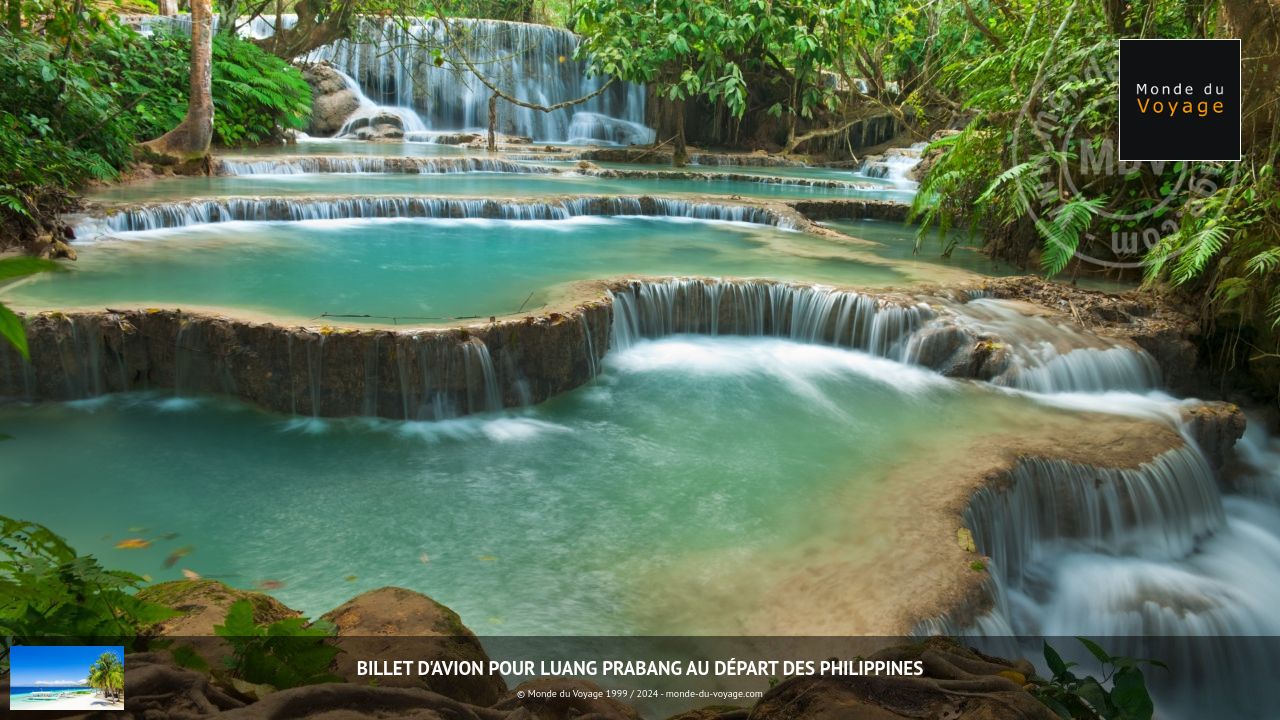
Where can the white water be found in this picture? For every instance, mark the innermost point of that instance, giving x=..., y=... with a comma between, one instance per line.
x=1157, y=562
x=395, y=65
x=157, y=216
x=894, y=166
x=369, y=110
x=372, y=164
x=809, y=314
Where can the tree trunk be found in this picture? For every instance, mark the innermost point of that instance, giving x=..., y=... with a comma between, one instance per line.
x=680, y=155
x=1257, y=24
x=168, y=7
x=190, y=140
x=493, y=122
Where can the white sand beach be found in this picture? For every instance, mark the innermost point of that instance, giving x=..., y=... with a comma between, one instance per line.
x=85, y=701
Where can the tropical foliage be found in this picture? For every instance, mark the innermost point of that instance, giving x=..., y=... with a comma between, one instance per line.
x=1120, y=694
x=47, y=590
x=255, y=94
x=821, y=66
x=287, y=653
x=12, y=330
x=77, y=93
x=1035, y=168
x=107, y=674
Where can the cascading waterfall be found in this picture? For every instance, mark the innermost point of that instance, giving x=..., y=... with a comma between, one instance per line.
x=395, y=64
x=1154, y=561
x=1053, y=507
x=804, y=313
x=369, y=112
x=1046, y=356
x=475, y=357
x=155, y=216
x=374, y=165
x=894, y=166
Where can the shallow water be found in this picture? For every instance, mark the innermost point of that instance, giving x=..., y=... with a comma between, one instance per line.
x=896, y=241
x=479, y=184
x=575, y=516
x=426, y=269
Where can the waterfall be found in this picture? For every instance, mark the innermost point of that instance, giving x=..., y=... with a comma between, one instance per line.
x=155, y=216
x=368, y=112
x=1152, y=561
x=588, y=127
x=894, y=165
x=1047, y=356
x=396, y=64
x=1160, y=510
x=476, y=353
x=1085, y=370
x=307, y=165
x=804, y=313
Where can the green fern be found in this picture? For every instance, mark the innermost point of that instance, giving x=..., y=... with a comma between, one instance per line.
x=1062, y=232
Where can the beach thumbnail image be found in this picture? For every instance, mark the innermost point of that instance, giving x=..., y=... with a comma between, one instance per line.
x=66, y=677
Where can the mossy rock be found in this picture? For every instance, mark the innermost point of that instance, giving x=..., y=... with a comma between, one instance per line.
x=201, y=605
x=395, y=623
x=204, y=604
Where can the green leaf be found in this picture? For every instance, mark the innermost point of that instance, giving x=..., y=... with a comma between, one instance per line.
x=22, y=266
x=1096, y=650
x=1054, y=660
x=239, y=622
x=13, y=330
x=1130, y=697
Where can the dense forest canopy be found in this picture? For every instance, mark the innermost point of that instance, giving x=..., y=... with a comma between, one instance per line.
x=80, y=90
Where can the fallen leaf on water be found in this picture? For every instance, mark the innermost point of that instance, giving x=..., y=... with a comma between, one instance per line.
x=424, y=559
x=351, y=578
x=270, y=584
x=488, y=558
x=190, y=574
x=133, y=544
x=177, y=555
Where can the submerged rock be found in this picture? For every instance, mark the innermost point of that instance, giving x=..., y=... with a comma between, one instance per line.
x=390, y=622
x=381, y=126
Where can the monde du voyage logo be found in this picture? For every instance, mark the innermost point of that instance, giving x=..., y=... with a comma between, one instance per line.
x=1179, y=100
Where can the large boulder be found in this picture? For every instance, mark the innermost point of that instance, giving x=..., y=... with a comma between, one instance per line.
x=202, y=604
x=957, y=684
x=392, y=623
x=332, y=99
x=379, y=126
